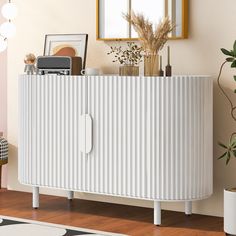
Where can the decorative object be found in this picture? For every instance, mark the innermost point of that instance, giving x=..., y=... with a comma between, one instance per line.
x=111, y=25
x=10, y=226
x=151, y=67
x=168, y=66
x=128, y=70
x=3, y=154
x=7, y=29
x=161, y=72
x=229, y=147
x=90, y=71
x=138, y=168
x=72, y=45
x=3, y=43
x=152, y=39
x=9, y=10
x=129, y=58
x=29, y=61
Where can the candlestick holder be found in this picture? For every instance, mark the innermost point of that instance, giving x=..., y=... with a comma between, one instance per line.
x=168, y=67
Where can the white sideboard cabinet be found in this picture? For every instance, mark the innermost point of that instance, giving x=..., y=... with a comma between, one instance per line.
x=137, y=137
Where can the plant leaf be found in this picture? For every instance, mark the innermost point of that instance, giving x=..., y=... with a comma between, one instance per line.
x=228, y=158
x=235, y=77
x=227, y=161
x=222, y=145
x=223, y=155
x=235, y=91
x=234, y=152
x=232, y=53
x=233, y=65
x=235, y=48
x=226, y=52
x=233, y=143
x=230, y=59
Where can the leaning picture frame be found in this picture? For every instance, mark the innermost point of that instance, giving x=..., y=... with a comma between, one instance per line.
x=74, y=45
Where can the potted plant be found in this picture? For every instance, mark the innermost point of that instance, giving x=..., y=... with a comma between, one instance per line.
x=152, y=38
x=129, y=58
x=229, y=149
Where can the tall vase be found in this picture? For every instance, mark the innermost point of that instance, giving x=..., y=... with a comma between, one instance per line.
x=151, y=65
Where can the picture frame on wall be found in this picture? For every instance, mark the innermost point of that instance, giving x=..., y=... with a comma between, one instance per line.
x=73, y=45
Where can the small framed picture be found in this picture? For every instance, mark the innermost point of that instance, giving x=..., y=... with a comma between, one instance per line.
x=73, y=45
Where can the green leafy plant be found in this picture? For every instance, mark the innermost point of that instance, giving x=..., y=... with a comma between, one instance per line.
x=230, y=148
x=131, y=55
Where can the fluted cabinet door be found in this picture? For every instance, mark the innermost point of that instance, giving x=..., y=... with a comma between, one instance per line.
x=152, y=137
x=49, y=148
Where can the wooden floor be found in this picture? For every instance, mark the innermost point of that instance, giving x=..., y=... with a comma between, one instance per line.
x=107, y=217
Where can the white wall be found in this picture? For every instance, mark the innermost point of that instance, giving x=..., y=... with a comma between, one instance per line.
x=3, y=99
x=211, y=27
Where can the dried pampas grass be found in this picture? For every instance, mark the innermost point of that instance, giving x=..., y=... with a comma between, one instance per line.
x=153, y=37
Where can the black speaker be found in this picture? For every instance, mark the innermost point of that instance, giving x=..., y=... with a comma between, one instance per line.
x=61, y=65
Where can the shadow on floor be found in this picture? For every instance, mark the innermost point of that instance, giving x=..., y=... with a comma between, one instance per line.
x=144, y=215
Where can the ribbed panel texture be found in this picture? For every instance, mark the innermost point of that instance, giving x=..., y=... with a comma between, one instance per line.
x=152, y=137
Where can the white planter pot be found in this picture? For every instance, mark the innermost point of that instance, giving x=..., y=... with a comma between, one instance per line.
x=230, y=211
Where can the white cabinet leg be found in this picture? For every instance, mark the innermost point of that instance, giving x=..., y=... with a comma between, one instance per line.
x=35, y=197
x=70, y=195
x=157, y=213
x=188, y=208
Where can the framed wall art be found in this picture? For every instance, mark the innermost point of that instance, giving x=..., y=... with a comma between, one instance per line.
x=74, y=45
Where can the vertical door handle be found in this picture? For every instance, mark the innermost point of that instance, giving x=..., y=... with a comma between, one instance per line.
x=86, y=133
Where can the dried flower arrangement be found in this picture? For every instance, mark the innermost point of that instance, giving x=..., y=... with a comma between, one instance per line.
x=152, y=37
x=132, y=55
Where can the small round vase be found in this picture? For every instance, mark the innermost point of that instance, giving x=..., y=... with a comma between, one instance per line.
x=129, y=70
